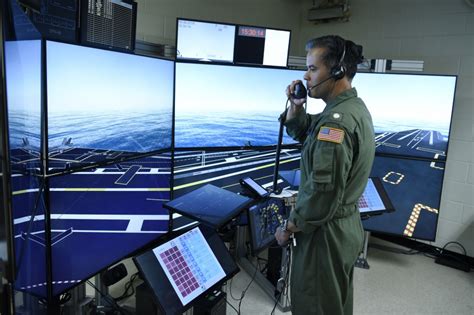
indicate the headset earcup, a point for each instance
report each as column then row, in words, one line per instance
column 338, row 74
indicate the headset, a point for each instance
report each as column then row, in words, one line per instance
column 339, row 70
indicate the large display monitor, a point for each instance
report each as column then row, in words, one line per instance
column 411, row 113
column 414, row 187
column 236, row 106
column 229, row 106
column 205, row 41
column 98, row 217
column 104, row 105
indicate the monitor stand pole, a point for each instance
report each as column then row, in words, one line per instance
column 282, row 120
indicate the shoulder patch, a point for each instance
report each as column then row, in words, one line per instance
column 331, row 134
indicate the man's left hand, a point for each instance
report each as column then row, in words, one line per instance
column 281, row 236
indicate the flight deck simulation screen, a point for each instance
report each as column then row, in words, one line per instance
column 229, row 106
column 411, row 113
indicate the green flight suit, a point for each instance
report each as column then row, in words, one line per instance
column 334, row 173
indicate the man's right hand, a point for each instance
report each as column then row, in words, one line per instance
column 290, row 89
column 296, row 103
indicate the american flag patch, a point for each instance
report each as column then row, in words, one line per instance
column 331, row 134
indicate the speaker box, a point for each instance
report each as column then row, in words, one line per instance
column 109, row 23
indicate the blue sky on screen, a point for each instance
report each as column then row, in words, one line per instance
column 87, row 79
column 23, row 70
column 231, row 88
column 421, row 98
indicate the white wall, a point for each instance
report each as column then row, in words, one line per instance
column 439, row 32
column 156, row 21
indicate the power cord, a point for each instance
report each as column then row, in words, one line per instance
column 434, row 253
column 453, row 261
column 128, row 286
column 110, row 300
column 232, row 306
column 248, row 286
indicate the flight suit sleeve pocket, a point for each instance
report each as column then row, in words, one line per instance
column 323, row 169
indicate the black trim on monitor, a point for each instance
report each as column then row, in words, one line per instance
column 268, row 28
column 233, row 62
column 173, row 149
column 6, row 214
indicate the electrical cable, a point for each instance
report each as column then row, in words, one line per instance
column 128, row 286
column 456, row 243
column 230, row 291
column 231, row 306
column 248, row 286
column 452, row 256
column 109, row 299
column 427, row 252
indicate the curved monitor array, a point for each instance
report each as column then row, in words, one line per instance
column 116, row 110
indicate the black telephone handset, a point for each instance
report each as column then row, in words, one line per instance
column 300, row 91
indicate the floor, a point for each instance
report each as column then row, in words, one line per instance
column 394, row 284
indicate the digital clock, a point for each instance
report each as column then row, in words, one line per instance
column 251, row 31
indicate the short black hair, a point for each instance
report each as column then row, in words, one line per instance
column 335, row 47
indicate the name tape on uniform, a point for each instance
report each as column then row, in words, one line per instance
column 331, row 134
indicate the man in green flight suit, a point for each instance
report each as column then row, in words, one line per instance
column 336, row 159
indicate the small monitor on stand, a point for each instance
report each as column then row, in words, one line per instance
column 374, row 199
column 210, row 205
column 264, row 218
column 184, row 267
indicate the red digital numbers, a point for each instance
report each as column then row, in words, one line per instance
column 251, row 31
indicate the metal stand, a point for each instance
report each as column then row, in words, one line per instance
column 80, row 303
column 282, row 120
column 101, row 302
column 260, row 279
column 6, row 298
column 361, row 261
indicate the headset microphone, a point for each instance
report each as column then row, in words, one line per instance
column 318, row 84
column 300, row 90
